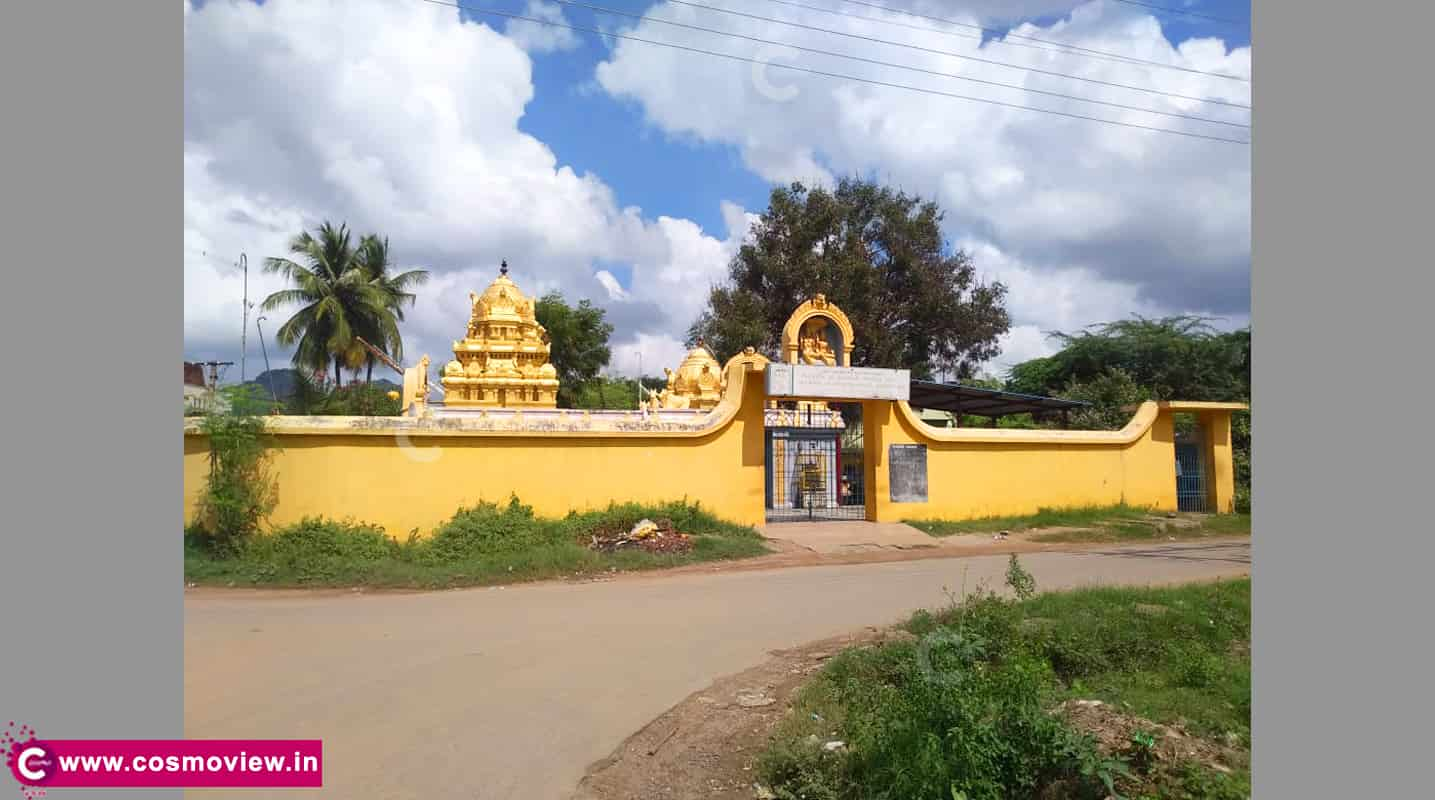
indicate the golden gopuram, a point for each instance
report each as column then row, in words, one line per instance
column 502, row 361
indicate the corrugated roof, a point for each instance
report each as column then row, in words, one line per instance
column 981, row 402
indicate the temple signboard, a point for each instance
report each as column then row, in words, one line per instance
column 838, row 383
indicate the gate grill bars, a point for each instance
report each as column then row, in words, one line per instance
column 1190, row 478
column 812, row 477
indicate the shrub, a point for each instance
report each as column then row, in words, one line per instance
column 485, row 530
column 690, row 518
column 239, row 491
column 360, row 400
column 958, row 713
column 965, row 709
column 315, row 549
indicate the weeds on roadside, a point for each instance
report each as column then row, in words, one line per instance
column 964, row 709
column 484, row 543
column 1020, row 581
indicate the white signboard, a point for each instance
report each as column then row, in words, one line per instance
column 838, row 383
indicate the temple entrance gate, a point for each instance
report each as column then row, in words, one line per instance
column 1192, row 493
column 815, row 464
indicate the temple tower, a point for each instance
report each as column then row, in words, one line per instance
column 502, row 361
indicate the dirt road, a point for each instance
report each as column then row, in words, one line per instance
column 512, row 692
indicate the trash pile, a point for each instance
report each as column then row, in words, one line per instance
column 646, row 535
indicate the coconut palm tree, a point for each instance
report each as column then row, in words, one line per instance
column 373, row 258
column 336, row 297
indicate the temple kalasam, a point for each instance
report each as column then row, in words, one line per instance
column 802, row 436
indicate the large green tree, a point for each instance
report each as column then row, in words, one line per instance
column 343, row 291
column 578, row 336
column 879, row 255
column 1180, row 357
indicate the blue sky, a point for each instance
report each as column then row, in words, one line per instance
column 627, row 173
column 590, row 131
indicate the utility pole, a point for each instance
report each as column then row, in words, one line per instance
column 214, row 376
column 640, row 377
column 244, row 328
column 265, row 350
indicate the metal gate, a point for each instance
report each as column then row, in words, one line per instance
column 1190, row 477
column 816, row 473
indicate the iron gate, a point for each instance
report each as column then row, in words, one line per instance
column 811, row 475
column 1190, row 477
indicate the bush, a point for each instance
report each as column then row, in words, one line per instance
column 316, row 549
column 690, row 518
column 360, row 400
column 239, row 491
column 964, row 710
column 486, row 530
column 937, row 718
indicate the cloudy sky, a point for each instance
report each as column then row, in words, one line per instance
column 627, row 172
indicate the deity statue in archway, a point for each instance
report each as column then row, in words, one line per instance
column 813, row 345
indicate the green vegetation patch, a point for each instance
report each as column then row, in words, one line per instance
column 483, row 544
column 1044, row 518
column 975, row 702
column 1116, row 523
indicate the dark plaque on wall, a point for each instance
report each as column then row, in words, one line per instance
column 907, row 469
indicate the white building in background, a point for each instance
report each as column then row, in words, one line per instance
column 198, row 395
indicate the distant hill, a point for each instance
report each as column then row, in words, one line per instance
column 283, row 382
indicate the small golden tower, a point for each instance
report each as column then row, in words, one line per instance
column 503, row 359
column 697, row 383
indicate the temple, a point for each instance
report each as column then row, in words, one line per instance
column 502, row 361
column 801, row 435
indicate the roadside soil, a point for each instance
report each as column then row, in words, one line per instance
column 707, row 745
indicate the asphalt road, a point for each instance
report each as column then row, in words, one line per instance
column 513, row 692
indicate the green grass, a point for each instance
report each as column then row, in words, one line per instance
column 962, row 708
column 1043, row 518
column 485, row 544
column 1118, row 523
column 1154, row 528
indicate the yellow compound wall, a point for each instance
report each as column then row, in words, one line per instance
column 411, row 476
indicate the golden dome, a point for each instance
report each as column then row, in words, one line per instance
column 503, row 301
column 698, row 364
column 697, row 383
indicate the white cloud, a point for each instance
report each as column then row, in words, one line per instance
column 539, row 38
column 1102, row 220
column 650, row 351
column 397, row 118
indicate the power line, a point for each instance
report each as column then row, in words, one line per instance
column 1000, row 32
column 620, row 13
column 1057, row 48
column 951, row 54
column 1184, row 12
column 838, row 75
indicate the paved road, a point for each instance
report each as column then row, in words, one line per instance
column 512, row 693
